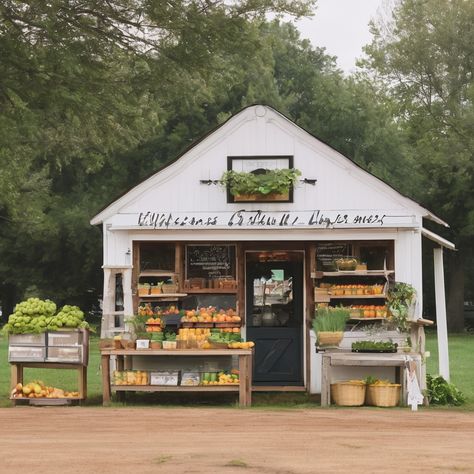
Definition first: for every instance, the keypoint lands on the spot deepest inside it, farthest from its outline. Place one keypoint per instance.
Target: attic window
(258, 166)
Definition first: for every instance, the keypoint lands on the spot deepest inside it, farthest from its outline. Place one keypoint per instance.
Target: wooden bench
(356, 359)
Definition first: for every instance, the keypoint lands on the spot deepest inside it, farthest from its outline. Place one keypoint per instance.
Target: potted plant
(329, 324)
(401, 299)
(265, 185)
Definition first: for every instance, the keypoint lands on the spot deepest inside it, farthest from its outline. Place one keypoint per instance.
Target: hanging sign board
(210, 261)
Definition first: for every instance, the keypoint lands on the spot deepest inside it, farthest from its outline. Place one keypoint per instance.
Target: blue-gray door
(274, 318)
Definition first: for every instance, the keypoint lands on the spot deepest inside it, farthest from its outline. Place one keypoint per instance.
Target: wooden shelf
(367, 319)
(229, 291)
(175, 352)
(163, 296)
(358, 297)
(175, 388)
(359, 273)
(156, 273)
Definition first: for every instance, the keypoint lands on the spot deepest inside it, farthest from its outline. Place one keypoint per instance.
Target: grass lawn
(461, 362)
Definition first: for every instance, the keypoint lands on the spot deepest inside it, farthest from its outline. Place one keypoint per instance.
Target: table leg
(82, 375)
(120, 361)
(105, 363)
(16, 375)
(245, 377)
(326, 382)
(403, 383)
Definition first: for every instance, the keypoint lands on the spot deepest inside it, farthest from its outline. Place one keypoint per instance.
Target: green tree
(81, 84)
(424, 57)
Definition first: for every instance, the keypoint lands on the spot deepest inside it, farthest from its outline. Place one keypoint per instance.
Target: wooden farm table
(81, 368)
(245, 372)
(358, 359)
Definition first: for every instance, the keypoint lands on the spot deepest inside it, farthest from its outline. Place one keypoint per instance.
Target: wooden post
(326, 381)
(82, 385)
(135, 273)
(441, 323)
(127, 293)
(241, 310)
(245, 377)
(105, 365)
(16, 375)
(108, 305)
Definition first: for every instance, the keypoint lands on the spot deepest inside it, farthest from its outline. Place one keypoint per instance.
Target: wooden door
(274, 318)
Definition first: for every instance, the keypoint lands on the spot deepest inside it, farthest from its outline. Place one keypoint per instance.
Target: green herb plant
(276, 181)
(330, 319)
(399, 300)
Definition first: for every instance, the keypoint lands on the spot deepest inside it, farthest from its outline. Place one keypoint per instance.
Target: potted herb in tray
(329, 324)
(267, 185)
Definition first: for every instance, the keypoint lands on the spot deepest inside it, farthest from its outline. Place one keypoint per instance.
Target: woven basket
(383, 395)
(330, 338)
(169, 288)
(348, 394)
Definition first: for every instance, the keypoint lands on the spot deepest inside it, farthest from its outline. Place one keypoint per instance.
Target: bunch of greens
(441, 392)
(331, 319)
(374, 346)
(170, 336)
(399, 299)
(276, 181)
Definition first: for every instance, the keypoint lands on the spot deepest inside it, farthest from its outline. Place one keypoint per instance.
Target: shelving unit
(245, 372)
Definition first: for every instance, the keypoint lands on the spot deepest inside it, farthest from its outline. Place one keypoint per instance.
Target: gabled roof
(114, 207)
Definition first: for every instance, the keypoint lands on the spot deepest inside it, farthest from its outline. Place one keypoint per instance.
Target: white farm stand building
(179, 220)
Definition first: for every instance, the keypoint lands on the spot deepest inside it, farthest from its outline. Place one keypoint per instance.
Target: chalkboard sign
(210, 261)
(327, 252)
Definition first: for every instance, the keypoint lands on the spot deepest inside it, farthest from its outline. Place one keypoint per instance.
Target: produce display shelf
(164, 296)
(229, 291)
(359, 273)
(368, 319)
(358, 297)
(175, 388)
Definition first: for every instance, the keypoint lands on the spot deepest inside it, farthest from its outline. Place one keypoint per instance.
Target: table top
(177, 352)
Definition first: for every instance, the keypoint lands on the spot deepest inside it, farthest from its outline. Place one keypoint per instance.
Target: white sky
(341, 26)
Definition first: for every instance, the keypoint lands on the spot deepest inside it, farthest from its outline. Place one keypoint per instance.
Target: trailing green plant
(441, 392)
(330, 319)
(399, 299)
(276, 181)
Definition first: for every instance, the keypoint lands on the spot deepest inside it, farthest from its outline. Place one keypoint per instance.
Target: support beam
(441, 322)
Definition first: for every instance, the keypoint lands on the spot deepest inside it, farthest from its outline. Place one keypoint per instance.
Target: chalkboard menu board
(327, 252)
(210, 261)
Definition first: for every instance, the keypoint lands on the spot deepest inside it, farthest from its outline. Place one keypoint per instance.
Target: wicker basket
(327, 338)
(169, 288)
(349, 393)
(387, 395)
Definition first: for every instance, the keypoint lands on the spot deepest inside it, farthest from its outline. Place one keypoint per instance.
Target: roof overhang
(437, 239)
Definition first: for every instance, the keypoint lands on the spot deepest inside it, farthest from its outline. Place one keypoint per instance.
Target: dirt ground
(85, 440)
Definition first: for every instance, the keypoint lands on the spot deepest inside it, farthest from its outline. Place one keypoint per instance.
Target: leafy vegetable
(441, 392)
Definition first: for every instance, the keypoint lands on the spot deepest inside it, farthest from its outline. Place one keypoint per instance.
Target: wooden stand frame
(17, 375)
(245, 372)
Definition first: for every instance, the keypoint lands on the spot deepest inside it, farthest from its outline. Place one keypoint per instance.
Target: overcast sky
(341, 26)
